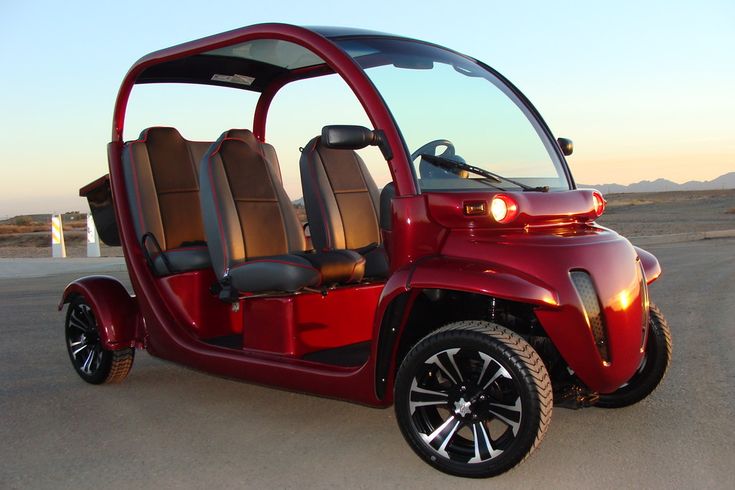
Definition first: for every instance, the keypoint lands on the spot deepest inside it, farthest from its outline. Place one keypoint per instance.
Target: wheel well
(422, 311)
(434, 308)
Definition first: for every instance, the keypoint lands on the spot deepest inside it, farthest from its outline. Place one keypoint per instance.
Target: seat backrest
(163, 186)
(246, 211)
(340, 196)
(266, 151)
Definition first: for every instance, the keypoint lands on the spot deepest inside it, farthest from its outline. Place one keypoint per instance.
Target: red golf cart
(472, 289)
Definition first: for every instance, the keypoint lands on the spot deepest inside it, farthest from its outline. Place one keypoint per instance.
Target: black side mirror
(566, 145)
(345, 137)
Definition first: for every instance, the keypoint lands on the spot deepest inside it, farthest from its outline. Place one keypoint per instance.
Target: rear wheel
(473, 399)
(653, 367)
(90, 359)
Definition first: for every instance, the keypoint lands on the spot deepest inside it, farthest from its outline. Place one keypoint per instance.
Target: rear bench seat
(161, 174)
(163, 190)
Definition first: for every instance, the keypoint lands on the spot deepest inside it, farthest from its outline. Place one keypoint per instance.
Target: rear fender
(116, 312)
(446, 273)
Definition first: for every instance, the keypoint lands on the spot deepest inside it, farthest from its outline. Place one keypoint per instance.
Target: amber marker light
(475, 208)
(599, 203)
(503, 208)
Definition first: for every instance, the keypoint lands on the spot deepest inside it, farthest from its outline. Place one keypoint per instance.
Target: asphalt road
(171, 427)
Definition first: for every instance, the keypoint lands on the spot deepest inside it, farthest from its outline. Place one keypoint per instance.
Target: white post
(58, 248)
(93, 241)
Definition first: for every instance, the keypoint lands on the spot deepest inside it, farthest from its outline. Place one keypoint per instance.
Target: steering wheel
(430, 171)
(431, 148)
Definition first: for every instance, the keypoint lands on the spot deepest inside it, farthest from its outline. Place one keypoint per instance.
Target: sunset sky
(645, 89)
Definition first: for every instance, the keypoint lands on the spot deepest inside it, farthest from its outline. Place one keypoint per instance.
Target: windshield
(478, 132)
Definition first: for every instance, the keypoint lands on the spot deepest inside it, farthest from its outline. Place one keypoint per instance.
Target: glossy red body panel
(612, 263)
(298, 324)
(651, 267)
(196, 308)
(534, 208)
(431, 244)
(481, 276)
(115, 311)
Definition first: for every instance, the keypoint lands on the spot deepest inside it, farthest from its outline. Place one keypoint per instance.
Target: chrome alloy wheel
(83, 340)
(465, 405)
(473, 399)
(91, 360)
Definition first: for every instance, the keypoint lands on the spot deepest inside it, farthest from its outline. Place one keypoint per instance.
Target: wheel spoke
(491, 369)
(87, 311)
(483, 446)
(75, 322)
(442, 435)
(445, 362)
(510, 414)
(87, 362)
(80, 349)
(422, 397)
(95, 363)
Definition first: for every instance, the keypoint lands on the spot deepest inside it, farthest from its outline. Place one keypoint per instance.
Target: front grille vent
(593, 310)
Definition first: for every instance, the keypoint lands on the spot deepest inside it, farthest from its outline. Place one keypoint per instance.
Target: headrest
(241, 134)
(162, 134)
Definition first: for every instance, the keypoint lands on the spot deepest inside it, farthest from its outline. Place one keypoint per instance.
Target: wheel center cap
(462, 408)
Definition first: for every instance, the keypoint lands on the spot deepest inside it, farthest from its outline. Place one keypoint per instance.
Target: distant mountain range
(726, 181)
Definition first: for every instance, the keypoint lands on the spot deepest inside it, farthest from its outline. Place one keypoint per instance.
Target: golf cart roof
(250, 65)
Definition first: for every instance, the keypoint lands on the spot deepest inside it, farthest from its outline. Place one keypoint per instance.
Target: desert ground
(167, 426)
(630, 214)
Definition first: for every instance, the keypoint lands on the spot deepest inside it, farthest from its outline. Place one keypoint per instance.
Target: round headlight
(503, 208)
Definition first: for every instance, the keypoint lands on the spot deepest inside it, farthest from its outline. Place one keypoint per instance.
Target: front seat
(341, 199)
(254, 237)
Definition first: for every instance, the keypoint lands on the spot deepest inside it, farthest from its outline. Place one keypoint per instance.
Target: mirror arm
(382, 143)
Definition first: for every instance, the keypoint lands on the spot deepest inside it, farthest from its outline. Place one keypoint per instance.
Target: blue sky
(645, 89)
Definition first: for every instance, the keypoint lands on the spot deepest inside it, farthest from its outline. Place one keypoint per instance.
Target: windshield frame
(501, 82)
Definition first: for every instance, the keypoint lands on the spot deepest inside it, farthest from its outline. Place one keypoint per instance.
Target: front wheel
(92, 362)
(653, 367)
(473, 399)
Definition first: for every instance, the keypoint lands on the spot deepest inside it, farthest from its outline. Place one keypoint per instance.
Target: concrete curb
(681, 237)
(42, 267)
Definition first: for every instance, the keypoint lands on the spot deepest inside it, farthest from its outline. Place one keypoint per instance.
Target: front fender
(442, 272)
(116, 312)
(651, 267)
(481, 277)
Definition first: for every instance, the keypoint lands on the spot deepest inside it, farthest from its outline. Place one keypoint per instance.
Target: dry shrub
(13, 229)
(730, 211)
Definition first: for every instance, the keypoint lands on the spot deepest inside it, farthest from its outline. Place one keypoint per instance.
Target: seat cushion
(275, 273)
(181, 259)
(337, 266)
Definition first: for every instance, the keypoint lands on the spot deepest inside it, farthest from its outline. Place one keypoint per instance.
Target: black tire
(652, 369)
(473, 399)
(92, 362)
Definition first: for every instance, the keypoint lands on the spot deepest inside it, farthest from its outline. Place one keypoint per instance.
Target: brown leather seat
(254, 237)
(342, 204)
(163, 190)
(266, 150)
